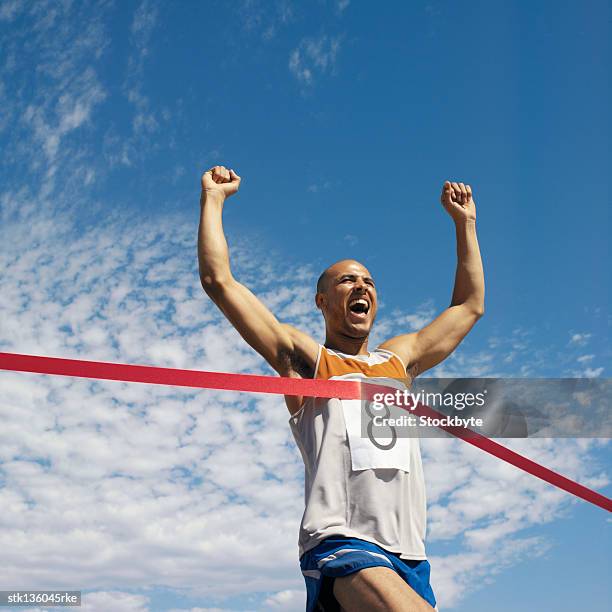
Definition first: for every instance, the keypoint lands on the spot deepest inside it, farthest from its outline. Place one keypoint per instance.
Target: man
(363, 530)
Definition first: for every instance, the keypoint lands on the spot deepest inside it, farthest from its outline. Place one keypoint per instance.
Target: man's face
(348, 299)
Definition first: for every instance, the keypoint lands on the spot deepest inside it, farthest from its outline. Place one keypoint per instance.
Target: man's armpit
(412, 371)
(290, 361)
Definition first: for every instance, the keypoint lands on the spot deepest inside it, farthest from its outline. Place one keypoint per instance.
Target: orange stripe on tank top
(331, 364)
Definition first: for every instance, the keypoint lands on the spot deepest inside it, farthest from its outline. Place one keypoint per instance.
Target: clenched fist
(458, 202)
(220, 183)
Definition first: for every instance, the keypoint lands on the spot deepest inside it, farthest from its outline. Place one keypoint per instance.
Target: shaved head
(335, 268)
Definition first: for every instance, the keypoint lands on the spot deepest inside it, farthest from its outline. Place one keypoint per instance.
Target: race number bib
(372, 447)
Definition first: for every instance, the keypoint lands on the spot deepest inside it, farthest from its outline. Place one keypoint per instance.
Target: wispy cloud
(145, 121)
(73, 109)
(585, 358)
(580, 339)
(314, 56)
(592, 372)
(342, 5)
(143, 24)
(316, 187)
(265, 18)
(51, 88)
(152, 126)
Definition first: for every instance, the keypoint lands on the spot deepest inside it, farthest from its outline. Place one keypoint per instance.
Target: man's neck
(346, 344)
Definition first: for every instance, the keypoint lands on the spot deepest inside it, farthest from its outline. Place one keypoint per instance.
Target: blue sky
(343, 120)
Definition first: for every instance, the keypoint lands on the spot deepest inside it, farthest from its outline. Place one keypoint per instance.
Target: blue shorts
(339, 556)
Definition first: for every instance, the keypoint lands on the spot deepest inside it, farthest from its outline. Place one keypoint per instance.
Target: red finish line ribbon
(281, 386)
(250, 383)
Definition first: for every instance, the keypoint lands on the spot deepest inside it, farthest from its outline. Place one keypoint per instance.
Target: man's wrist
(465, 222)
(215, 198)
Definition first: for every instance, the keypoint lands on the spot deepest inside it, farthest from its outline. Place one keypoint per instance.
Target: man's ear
(319, 300)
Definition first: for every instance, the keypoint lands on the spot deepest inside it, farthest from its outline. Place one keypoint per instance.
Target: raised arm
(432, 344)
(281, 345)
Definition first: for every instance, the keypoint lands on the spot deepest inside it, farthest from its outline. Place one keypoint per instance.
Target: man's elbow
(214, 284)
(478, 311)
(475, 309)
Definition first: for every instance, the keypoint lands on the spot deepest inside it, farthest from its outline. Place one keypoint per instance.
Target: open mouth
(359, 307)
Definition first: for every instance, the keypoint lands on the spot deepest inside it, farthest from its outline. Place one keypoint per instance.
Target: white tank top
(385, 506)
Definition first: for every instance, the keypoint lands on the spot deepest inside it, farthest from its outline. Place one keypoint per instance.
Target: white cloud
(72, 111)
(466, 573)
(585, 358)
(314, 55)
(593, 372)
(287, 601)
(482, 505)
(580, 339)
(103, 601)
(51, 90)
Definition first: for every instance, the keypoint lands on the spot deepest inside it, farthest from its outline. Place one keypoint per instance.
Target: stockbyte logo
(426, 421)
